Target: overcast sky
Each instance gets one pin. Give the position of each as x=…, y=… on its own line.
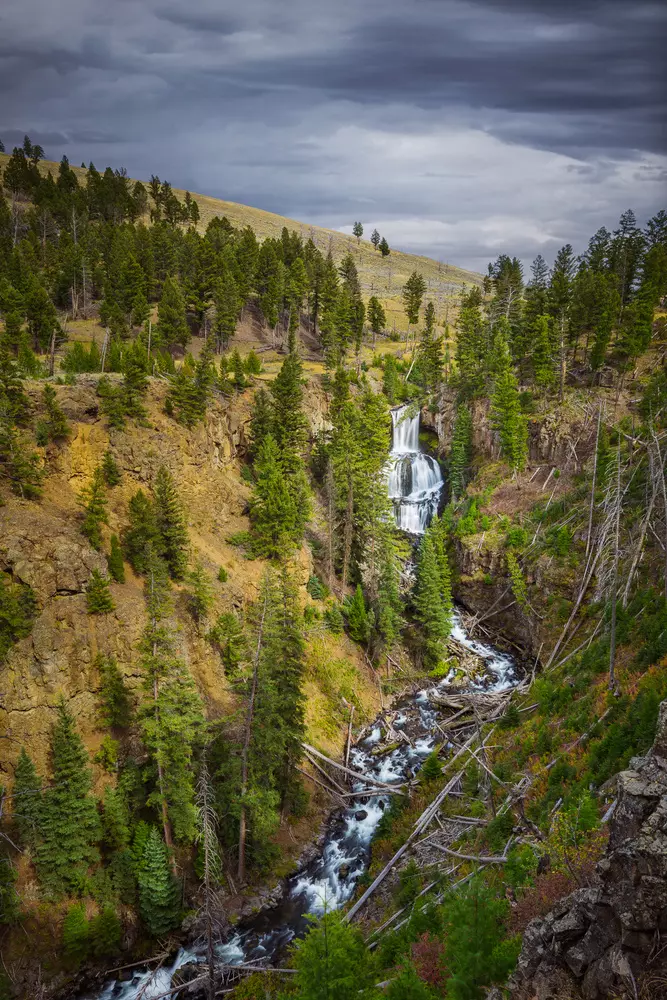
x=460, y=129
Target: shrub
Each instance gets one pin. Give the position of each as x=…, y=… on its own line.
x=223, y=575
x=75, y=934
x=98, y=595
x=315, y=588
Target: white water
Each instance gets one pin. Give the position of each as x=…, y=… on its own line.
x=415, y=479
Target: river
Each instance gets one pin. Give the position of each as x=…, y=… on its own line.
x=329, y=880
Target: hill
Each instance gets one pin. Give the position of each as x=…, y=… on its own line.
x=380, y=276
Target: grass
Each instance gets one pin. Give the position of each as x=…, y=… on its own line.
x=380, y=276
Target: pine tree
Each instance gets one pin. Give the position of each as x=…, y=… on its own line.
x=104, y=934
x=408, y=986
x=471, y=346
x=171, y=524
x=261, y=420
x=172, y=327
x=390, y=380
x=229, y=636
x=377, y=317
x=358, y=622
x=75, y=934
x=158, y=891
x=19, y=465
x=115, y=702
x=200, y=598
x=115, y=819
x=98, y=595
x=93, y=499
x=506, y=415
x=141, y=533
x=57, y=424
x=413, y=293
x=227, y=304
x=272, y=511
x=332, y=961
x=70, y=828
x=27, y=803
x=430, y=610
x=358, y=230
x=253, y=365
x=543, y=360
x=110, y=470
x=375, y=238
x=238, y=371
x=115, y=562
x=459, y=456
x=431, y=769
x=384, y=247
x=140, y=309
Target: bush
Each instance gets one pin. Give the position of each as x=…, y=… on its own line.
x=316, y=588
x=223, y=575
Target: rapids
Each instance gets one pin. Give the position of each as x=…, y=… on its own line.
x=415, y=479
x=329, y=880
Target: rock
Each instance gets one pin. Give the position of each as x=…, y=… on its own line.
x=361, y=814
x=344, y=871
x=599, y=939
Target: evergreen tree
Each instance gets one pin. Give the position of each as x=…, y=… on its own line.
x=432, y=611
x=14, y=404
x=459, y=456
x=115, y=702
x=332, y=961
x=110, y=470
x=261, y=420
x=70, y=827
x=229, y=636
x=104, y=934
x=75, y=934
x=172, y=327
x=141, y=533
x=238, y=371
x=20, y=466
x=27, y=801
x=272, y=511
x=506, y=415
x=253, y=365
x=93, y=500
x=390, y=380
x=171, y=524
x=158, y=890
x=384, y=247
x=431, y=769
x=227, y=304
x=200, y=598
x=375, y=238
x=413, y=293
x=377, y=317
x=115, y=819
x=358, y=230
x=471, y=346
x=57, y=425
x=357, y=616
x=98, y=595
x=543, y=360
x=115, y=562
x=140, y=309
x=408, y=986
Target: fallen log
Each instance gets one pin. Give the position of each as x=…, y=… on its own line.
x=355, y=774
x=330, y=791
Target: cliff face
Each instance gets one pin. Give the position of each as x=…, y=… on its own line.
x=605, y=940
x=41, y=545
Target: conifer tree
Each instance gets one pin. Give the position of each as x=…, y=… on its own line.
x=27, y=803
x=115, y=819
x=430, y=610
x=261, y=420
x=57, y=424
x=104, y=934
x=110, y=470
x=272, y=511
x=431, y=769
x=229, y=636
x=332, y=961
x=140, y=309
x=390, y=380
x=377, y=317
x=471, y=345
x=253, y=365
x=200, y=598
x=375, y=238
x=172, y=327
x=543, y=360
x=93, y=500
x=357, y=616
x=238, y=371
x=70, y=827
x=75, y=934
x=19, y=465
x=98, y=595
x=115, y=702
x=227, y=304
x=141, y=533
x=384, y=247
x=158, y=890
x=506, y=415
x=459, y=457
x=115, y=562
x=413, y=293
x=171, y=524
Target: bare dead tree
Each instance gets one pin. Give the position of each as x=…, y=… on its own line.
x=618, y=502
x=212, y=867
x=246, y=741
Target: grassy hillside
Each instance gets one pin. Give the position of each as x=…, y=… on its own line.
x=381, y=276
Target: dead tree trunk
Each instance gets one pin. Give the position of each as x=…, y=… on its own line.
x=593, y=484
x=211, y=865
x=614, y=578
x=246, y=747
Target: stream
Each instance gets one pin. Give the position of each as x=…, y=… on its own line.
x=328, y=881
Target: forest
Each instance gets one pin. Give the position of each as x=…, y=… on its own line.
x=180, y=805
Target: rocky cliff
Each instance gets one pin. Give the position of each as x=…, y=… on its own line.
x=607, y=940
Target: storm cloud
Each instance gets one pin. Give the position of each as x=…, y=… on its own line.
x=460, y=129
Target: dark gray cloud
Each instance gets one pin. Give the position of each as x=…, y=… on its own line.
x=460, y=128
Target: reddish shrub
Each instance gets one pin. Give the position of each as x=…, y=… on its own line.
x=428, y=956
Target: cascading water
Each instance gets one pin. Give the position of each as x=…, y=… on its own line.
x=415, y=479
x=329, y=880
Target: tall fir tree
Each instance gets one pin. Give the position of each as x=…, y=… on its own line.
x=172, y=327
x=27, y=801
x=171, y=524
x=93, y=500
x=431, y=611
x=506, y=415
x=98, y=595
x=158, y=890
x=458, y=465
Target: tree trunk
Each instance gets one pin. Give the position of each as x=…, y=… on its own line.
x=246, y=749
x=563, y=361
x=349, y=525
x=593, y=485
x=614, y=581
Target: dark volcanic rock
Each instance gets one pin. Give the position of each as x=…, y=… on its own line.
x=596, y=942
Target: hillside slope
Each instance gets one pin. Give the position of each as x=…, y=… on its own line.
x=380, y=276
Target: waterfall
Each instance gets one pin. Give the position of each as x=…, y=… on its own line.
x=415, y=480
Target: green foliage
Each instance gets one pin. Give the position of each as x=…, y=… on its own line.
x=431, y=596
x=506, y=416
x=390, y=380
x=273, y=512
x=17, y=612
x=69, y=827
x=141, y=536
x=459, y=457
x=316, y=588
x=358, y=619
x=332, y=961
x=110, y=470
x=518, y=582
x=75, y=934
x=93, y=500
x=172, y=327
x=200, y=597
x=98, y=595
x=27, y=804
x=171, y=524
x=229, y=636
x=104, y=934
x=107, y=755
x=253, y=365
x=431, y=769
x=413, y=293
x=158, y=890
x=223, y=575
x=115, y=561
x=334, y=620
x=56, y=425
